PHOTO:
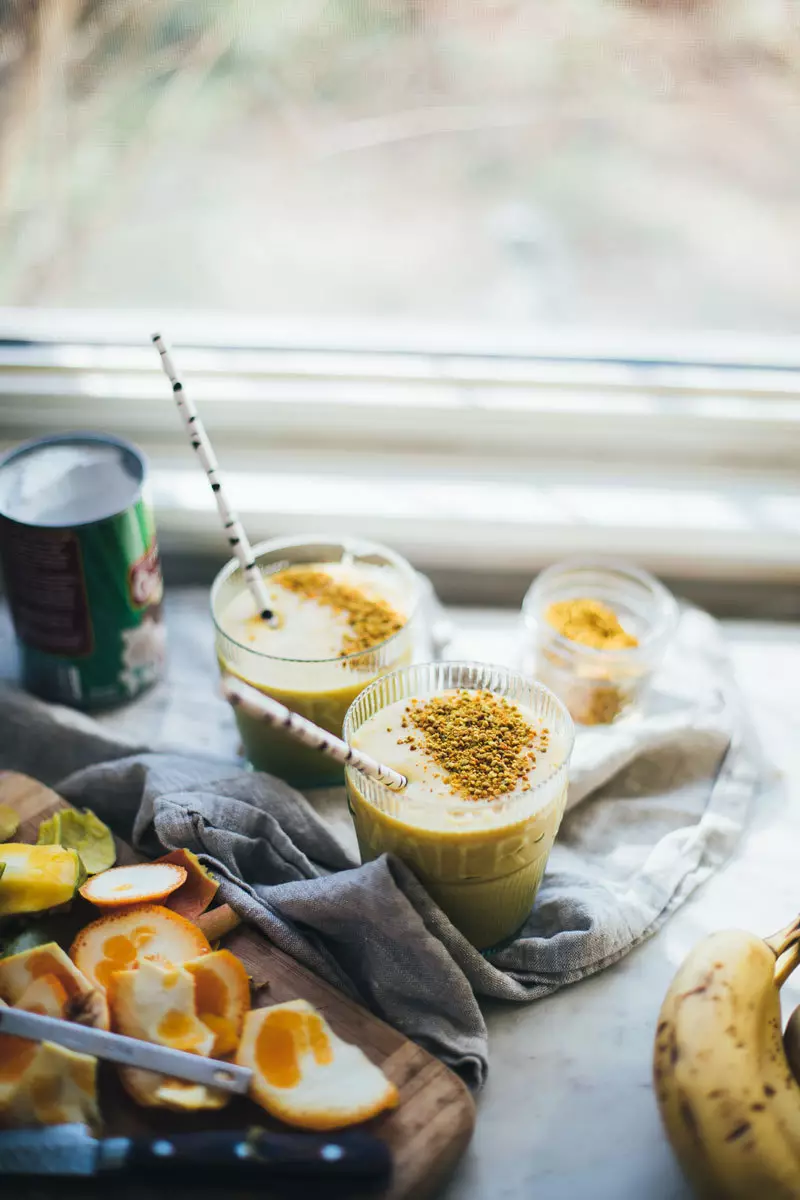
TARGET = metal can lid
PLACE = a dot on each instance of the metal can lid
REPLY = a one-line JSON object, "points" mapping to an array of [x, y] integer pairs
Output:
{"points": [[69, 480]]}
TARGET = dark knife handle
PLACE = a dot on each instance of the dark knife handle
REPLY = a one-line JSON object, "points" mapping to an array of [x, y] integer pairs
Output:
{"points": [[253, 1154]]}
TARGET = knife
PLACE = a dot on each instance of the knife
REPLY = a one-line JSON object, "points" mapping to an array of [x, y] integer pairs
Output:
{"points": [[252, 1155], [131, 1052]]}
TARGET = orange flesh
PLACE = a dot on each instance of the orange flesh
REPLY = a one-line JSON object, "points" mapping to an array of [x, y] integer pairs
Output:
{"points": [[178, 1029], [320, 1046], [141, 935], [16, 1055], [226, 1037], [119, 949], [120, 953], [211, 994], [276, 1056], [283, 1037]]}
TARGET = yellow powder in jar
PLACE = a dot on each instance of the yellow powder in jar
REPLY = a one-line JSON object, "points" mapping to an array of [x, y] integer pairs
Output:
{"points": [[598, 692], [591, 623]]}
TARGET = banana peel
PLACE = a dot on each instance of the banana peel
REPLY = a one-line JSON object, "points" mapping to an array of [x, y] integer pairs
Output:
{"points": [[728, 1099]]}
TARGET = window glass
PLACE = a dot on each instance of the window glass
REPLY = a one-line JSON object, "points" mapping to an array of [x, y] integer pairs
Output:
{"points": [[585, 163]]}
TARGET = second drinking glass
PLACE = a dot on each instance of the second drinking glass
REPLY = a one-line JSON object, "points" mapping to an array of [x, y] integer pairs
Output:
{"points": [[346, 611]]}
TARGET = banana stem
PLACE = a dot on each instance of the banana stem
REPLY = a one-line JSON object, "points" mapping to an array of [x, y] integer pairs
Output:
{"points": [[781, 941], [785, 964]]}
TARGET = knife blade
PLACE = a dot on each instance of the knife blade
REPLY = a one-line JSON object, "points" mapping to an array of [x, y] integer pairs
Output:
{"points": [[131, 1052], [252, 1154]]}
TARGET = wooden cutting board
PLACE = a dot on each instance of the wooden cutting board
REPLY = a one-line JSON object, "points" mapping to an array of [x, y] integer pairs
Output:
{"points": [[427, 1133]]}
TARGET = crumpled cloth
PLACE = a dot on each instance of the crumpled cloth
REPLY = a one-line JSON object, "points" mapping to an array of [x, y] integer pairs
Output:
{"points": [[656, 804]]}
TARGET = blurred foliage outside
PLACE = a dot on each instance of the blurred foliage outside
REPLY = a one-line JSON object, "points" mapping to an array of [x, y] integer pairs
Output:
{"points": [[580, 162]]}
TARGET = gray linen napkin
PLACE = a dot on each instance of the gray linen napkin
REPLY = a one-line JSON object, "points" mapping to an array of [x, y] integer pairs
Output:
{"points": [[656, 805]]}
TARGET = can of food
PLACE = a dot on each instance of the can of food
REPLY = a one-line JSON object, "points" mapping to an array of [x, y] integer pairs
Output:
{"points": [[82, 574]]}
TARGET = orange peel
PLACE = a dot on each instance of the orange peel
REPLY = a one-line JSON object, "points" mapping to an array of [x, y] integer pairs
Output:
{"points": [[156, 1004], [307, 1076], [45, 1084], [221, 996], [158, 1091], [20, 971], [198, 889], [121, 940], [46, 996], [140, 884]]}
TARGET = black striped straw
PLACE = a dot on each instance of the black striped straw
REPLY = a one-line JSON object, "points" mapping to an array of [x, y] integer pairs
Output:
{"points": [[264, 708], [237, 538]]}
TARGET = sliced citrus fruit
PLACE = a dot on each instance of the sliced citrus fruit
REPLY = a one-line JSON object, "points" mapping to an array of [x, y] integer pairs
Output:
{"points": [[156, 1003], [47, 996], [20, 971], [141, 884], [16, 1055], [36, 878], [221, 997], [198, 889], [159, 1091], [45, 1084], [121, 940], [306, 1075]]}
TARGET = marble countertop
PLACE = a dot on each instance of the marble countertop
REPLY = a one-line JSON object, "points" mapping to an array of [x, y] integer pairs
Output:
{"points": [[568, 1111]]}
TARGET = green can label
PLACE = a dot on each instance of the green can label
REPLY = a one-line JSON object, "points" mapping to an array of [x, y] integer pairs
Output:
{"points": [[86, 599]]}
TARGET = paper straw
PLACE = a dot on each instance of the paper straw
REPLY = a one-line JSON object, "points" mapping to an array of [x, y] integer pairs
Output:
{"points": [[256, 704], [237, 538]]}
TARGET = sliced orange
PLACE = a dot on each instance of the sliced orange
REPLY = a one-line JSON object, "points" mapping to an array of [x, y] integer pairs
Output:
{"points": [[19, 971], [121, 940], [16, 1055], [139, 884], [307, 1076], [222, 997], [156, 1003], [45, 1084], [46, 996], [198, 889]]}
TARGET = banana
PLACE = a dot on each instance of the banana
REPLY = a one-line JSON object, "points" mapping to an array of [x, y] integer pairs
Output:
{"points": [[727, 1095]]}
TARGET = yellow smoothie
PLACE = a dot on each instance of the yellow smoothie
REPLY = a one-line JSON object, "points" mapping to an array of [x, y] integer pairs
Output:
{"points": [[338, 625], [481, 855]]}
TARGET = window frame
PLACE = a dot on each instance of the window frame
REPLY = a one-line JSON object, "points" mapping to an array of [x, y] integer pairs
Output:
{"points": [[461, 448]]}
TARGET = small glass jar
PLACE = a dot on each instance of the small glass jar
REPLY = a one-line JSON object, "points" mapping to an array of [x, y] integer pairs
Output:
{"points": [[481, 861], [597, 685], [319, 689]]}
